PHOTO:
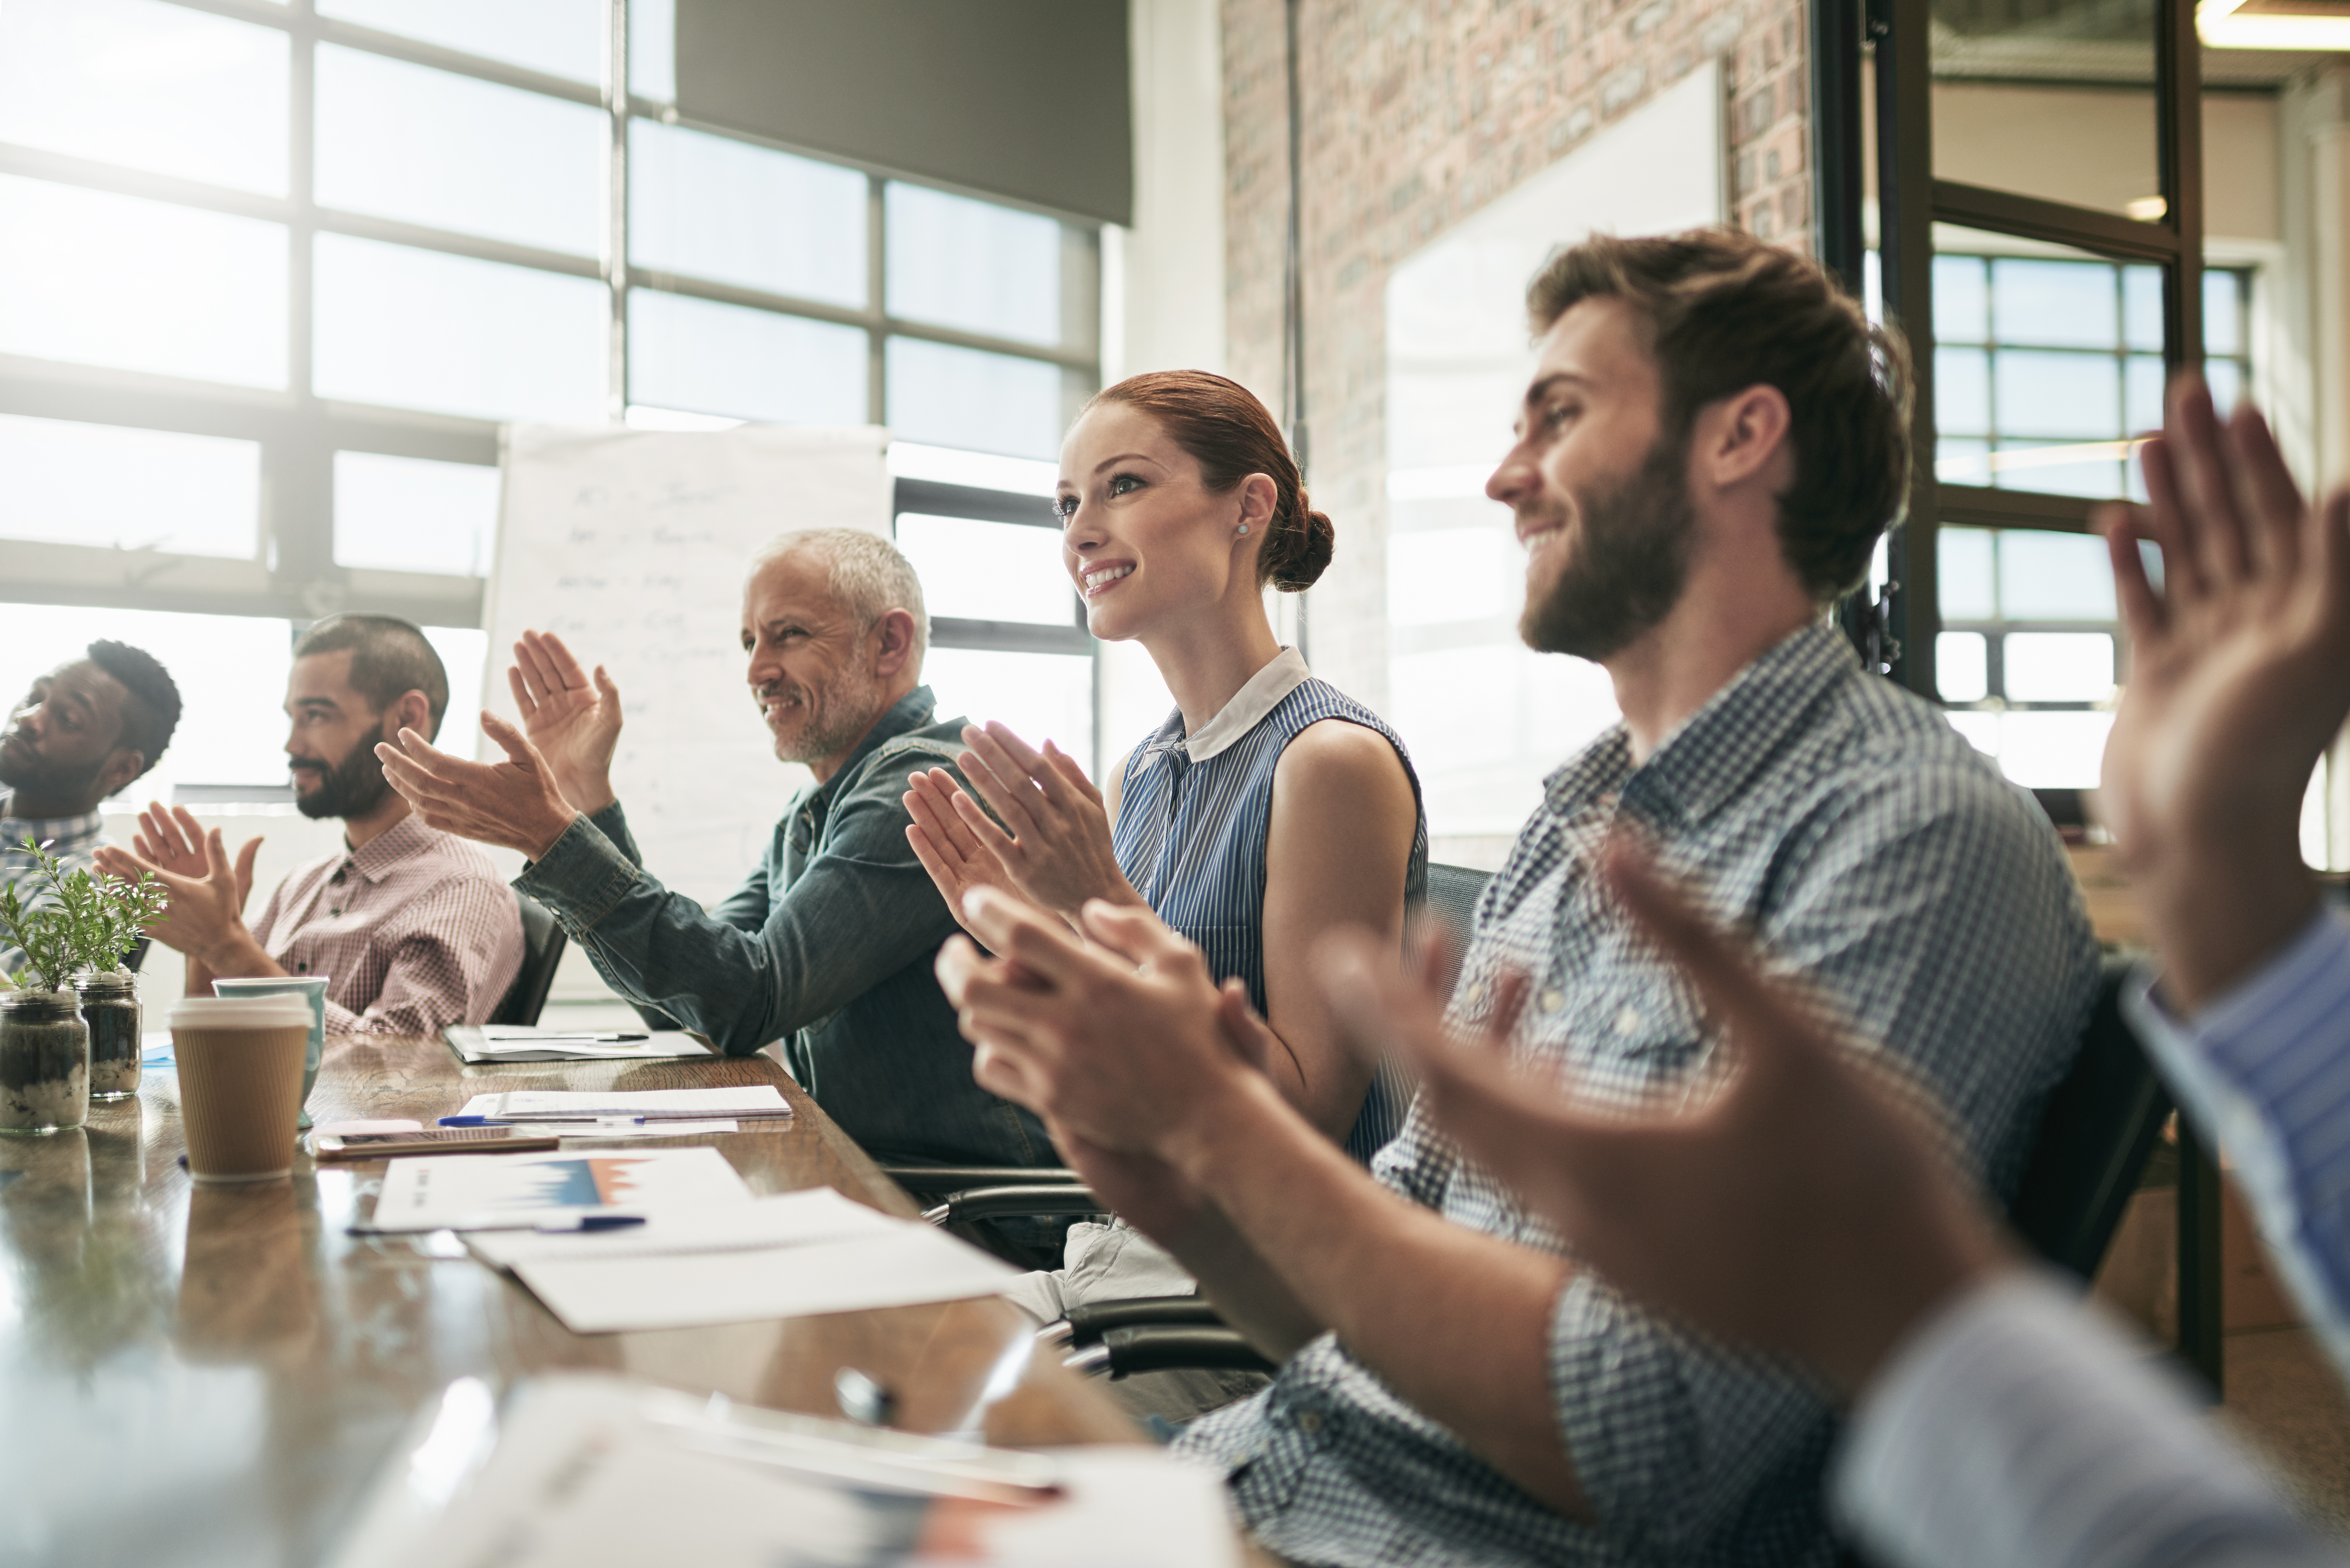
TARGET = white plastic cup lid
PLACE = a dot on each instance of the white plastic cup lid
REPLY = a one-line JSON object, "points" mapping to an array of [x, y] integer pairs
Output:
{"points": [[269, 1011]]}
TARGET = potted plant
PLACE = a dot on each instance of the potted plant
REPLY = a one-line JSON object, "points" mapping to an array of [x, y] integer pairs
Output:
{"points": [[80, 930]]}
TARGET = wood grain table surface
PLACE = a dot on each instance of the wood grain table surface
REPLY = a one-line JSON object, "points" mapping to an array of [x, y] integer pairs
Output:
{"points": [[211, 1374]]}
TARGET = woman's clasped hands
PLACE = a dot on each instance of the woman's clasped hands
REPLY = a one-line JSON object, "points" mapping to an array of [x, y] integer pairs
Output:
{"points": [[1047, 840]]}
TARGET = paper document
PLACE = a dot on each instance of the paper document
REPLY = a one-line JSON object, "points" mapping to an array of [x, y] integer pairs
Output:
{"points": [[586, 1105], [485, 1191], [522, 1043], [784, 1220], [584, 1470]]}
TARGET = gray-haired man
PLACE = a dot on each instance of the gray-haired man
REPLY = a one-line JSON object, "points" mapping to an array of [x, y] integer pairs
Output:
{"points": [[828, 942]]}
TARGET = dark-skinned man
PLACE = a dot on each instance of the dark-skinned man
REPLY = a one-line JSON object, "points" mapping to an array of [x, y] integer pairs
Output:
{"points": [[87, 729]]}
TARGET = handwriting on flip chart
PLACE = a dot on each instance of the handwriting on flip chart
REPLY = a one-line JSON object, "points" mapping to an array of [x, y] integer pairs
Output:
{"points": [[630, 546]]}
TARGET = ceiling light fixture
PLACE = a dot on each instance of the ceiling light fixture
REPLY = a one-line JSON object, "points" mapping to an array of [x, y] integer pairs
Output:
{"points": [[2224, 24]]}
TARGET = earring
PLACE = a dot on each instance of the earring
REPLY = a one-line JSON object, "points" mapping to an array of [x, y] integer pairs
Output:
{"points": [[1242, 529]]}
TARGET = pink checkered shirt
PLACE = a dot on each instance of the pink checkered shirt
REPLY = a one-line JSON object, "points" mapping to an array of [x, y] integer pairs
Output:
{"points": [[416, 929]]}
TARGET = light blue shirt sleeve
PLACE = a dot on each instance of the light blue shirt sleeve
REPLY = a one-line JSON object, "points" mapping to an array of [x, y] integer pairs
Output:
{"points": [[2264, 1072], [2020, 1426]]}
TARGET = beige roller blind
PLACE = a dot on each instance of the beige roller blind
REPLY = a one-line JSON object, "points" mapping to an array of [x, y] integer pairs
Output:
{"points": [[1022, 98]]}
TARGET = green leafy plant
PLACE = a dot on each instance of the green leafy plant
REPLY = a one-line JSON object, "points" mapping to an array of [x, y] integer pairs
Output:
{"points": [[88, 921]]}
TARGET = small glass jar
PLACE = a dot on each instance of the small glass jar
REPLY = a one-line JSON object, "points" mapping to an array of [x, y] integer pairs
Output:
{"points": [[109, 1006], [44, 1062]]}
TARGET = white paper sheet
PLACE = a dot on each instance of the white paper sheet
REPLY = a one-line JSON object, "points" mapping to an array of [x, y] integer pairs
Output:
{"points": [[475, 1191], [555, 1104], [783, 1219], [909, 1264], [584, 1470]]}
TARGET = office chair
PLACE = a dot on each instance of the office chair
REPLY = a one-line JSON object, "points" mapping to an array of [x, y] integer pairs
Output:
{"points": [[138, 954], [542, 951], [1150, 1334]]}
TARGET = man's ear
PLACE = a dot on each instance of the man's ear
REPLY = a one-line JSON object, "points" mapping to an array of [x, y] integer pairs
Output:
{"points": [[1745, 435], [409, 710], [126, 764], [893, 642]]}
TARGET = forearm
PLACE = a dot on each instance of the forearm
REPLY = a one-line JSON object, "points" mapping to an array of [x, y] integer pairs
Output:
{"points": [[2218, 912], [1467, 1341], [1247, 1291], [237, 954]]}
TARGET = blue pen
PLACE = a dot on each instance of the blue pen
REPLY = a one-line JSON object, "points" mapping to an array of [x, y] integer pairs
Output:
{"points": [[590, 1222], [473, 1122]]}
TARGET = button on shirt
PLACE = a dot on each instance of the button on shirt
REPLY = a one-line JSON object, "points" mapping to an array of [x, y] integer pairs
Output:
{"points": [[1872, 849], [414, 928]]}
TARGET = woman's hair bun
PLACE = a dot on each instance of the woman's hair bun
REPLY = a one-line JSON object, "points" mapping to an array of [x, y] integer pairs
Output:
{"points": [[1297, 556]]}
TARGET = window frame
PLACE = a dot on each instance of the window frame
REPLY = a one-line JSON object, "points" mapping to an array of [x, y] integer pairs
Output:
{"points": [[293, 573]]}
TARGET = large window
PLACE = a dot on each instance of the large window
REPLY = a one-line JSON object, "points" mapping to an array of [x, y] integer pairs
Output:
{"points": [[275, 274]]}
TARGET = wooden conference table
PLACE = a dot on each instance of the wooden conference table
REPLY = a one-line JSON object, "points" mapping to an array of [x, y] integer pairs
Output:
{"points": [[212, 1375]]}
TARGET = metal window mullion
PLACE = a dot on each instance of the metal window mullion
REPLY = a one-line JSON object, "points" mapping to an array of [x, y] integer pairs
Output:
{"points": [[299, 520], [1906, 248], [616, 107], [876, 317]]}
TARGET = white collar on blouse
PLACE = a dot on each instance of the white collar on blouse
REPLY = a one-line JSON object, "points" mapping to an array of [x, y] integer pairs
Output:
{"points": [[1261, 695]]}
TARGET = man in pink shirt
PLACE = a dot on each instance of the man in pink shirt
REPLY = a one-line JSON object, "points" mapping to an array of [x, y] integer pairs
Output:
{"points": [[415, 930]]}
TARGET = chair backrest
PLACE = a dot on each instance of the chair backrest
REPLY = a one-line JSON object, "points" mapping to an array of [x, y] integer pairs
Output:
{"points": [[1451, 909], [138, 954], [542, 951], [2100, 1125]]}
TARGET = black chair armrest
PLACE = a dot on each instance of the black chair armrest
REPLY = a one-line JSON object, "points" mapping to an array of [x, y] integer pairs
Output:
{"points": [[995, 1202], [925, 1179], [1161, 1347], [1088, 1322]]}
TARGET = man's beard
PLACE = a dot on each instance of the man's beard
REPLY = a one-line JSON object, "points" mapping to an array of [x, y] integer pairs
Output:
{"points": [[837, 716], [1630, 564], [352, 787], [44, 780]]}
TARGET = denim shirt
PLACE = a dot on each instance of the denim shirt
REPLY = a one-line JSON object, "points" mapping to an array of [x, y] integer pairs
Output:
{"points": [[827, 945]]}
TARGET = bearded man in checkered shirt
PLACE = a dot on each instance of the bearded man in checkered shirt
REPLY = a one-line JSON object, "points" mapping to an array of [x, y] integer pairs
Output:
{"points": [[1713, 439]]}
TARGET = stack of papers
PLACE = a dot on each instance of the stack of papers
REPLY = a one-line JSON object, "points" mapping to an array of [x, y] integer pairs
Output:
{"points": [[785, 1256], [588, 1471], [525, 1043], [654, 1104], [485, 1191]]}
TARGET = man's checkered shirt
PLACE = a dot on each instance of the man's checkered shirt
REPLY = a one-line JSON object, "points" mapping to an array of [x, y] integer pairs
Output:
{"points": [[1870, 849]]}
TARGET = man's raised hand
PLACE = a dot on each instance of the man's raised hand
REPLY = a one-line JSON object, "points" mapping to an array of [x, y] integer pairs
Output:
{"points": [[573, 720], [2240, 677], [515, 803]]}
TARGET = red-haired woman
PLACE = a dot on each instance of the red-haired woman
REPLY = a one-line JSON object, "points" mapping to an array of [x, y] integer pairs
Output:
{"points": [[1267, 809]]}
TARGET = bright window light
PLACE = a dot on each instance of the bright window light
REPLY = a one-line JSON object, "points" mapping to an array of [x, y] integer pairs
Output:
{"points": [[1962, 666], [700, 355], [400, 140], [1440, 575], [101, 279], [956, 262], [1040, 696], [561, 37], [710, 207], [148, 85], [420, 330], [989, 571], [111, 485], [945, 395], [414, 514]]}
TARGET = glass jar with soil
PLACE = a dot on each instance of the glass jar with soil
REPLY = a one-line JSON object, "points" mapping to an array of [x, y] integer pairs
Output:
{"points": [[44, 1062], [109, 1006]]}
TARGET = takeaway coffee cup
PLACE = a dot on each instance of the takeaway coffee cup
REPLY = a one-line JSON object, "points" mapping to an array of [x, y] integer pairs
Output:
{"points": [[239, 1083], [312, 989]]}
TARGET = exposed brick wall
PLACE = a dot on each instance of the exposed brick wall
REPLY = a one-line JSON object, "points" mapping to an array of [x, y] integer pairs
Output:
{"points": [[1416, 113]]}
